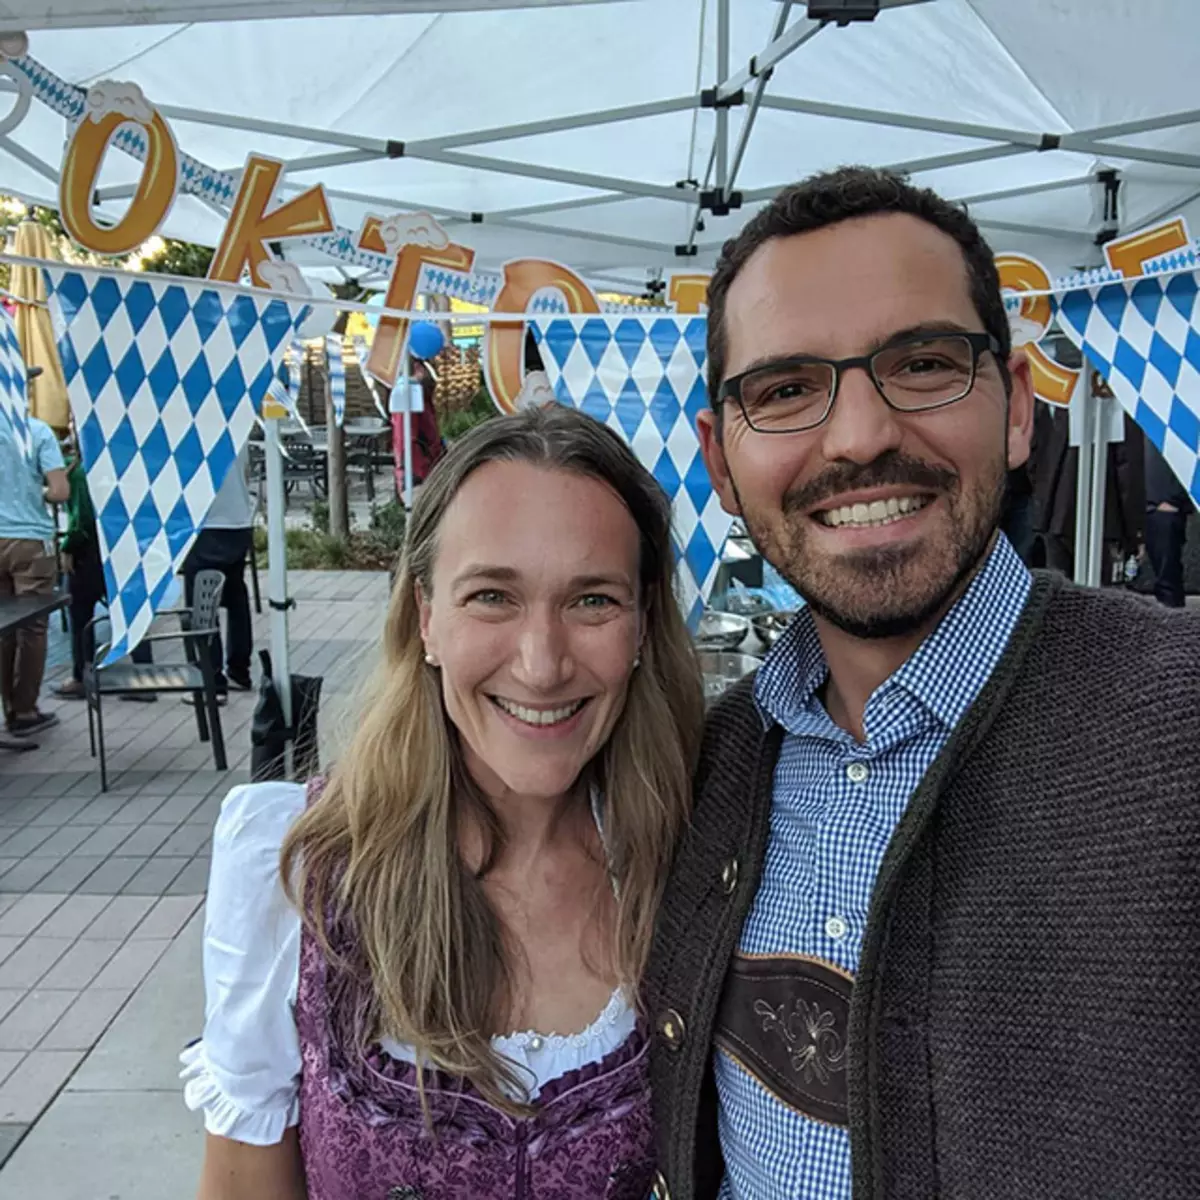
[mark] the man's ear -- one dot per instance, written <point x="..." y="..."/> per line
<point x="712" y="448"/>
<point x="1021" y="404"/>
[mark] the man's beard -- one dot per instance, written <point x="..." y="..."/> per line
<point x="891" y="591"/>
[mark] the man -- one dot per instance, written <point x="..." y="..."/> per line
<point x="27" y="565"/>
<point x="1167" y="509"/>
<point x="224" y="543"/>
<point x="933" y="930"/>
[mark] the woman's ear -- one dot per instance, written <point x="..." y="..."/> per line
<point x="424" y="612"/>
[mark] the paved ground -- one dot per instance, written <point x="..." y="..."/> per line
<point x="101" y="917"/>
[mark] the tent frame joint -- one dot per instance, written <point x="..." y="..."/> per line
<point x="394" y="149"/>
<point x="720" y="203"/>
<point x="686" y="250"/>
<point x="712" y="98"/>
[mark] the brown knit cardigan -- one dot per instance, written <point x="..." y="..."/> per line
<point x="1025" y="1020"/>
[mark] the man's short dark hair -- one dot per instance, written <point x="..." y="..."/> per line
<point x="841" y="195"/>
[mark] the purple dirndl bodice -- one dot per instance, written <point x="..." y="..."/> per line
<point x="363" y="1134"/>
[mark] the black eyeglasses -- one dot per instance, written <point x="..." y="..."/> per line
<point x="912" y="375"/>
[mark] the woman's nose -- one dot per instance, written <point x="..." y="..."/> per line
<point x="543" y="652"/>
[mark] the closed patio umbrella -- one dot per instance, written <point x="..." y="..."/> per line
<point x="48" y="393"/>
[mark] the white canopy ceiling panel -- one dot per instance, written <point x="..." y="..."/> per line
<point x="1101" y="61"/>
<point x="66" y="14"/>
<point x="538" y="115"/>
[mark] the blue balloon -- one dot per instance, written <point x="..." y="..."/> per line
<point x="425" y="340"/>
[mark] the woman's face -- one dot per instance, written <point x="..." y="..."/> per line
<point x="534" y="622"/>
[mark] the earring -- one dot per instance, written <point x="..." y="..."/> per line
<point x="429" y="660"/>
<point x="637" y="662"/>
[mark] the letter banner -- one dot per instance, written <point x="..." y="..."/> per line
<point x="165" y="382"/>
<point x="1143" y="336"/>
<point x="644" y="378"/>
<point x="14" y="400"/>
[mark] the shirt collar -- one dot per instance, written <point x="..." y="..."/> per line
<point x="946" y="672"/>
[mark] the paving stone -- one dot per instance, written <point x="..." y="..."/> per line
<point x="73" y="916"/>
<point x="28" y="874"/>
<point x="26" y="841"/>
<point x="31" y="960"/>
<point x="83" y="1024"/>
<point x="10" y="1138"/>
<point x="32" y="1019"/>
<point x="33" y="1084"/>
<point x="27" y="914"/>
<point x="119" y="918"/>
<point x="186" y="840"/>
<point x="8" y="945"/>
<point x="176" y="808"/>
<point x="146" y="839"/>
<point x="110" y="876"/>
<point x="167" y="917"/>
<point x="156" y="876"/>
<point x="138" y="810"/>
<point x="68" y="875"/>
<point x="79" y="965"/>
<point x="128" y="967"/>
<point x="64" y="840"/>
<point x="191" y="881"/>
<point x="103" y="840"/>
<point x="9" y="1061"/>
<point x="9" y="999"/>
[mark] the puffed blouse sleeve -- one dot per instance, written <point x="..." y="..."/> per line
<point x="244" y="1073"/>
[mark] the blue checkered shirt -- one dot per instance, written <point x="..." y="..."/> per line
<point x="835" y="806"/>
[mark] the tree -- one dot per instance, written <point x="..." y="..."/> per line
<point x="179" y="258"/>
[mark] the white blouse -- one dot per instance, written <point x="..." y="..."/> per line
<point x="245" y="1071"/>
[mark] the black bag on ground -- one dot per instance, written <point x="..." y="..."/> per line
<point x="269" y="732"/>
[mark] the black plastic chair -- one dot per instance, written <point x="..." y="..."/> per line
<point x="201" y="628"/>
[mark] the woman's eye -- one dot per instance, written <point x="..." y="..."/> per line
<point x="596" y="600"/>
<point x="488" y="596"/>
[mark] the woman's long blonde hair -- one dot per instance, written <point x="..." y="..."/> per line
<point x="380" y="847"/>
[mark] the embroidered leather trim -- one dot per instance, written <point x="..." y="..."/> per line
<point x="784" y="1020"/>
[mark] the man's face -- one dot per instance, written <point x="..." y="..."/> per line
<point x="807" y="498"/>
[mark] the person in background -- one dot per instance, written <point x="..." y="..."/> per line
<point x="27" y="565"/>
<point x="427" y="443"/>
<point x="224" y="543"/>
<point x="1167" y="509"/>
<point x="85" y="573"/>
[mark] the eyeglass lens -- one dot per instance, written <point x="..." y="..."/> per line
<point x="912" y="376"/>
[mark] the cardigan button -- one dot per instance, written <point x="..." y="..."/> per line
<point x="729" y="876"/>
<point x="671" y="1029"/>
<point x="660" y="1190"/>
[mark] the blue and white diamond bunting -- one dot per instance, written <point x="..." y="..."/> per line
<point x="335" y="373"/>
<point x="644" y="377"/>
<point x="165" y="381"/>
<point x="1143" y="336"/>
<point x="14" y="390"/>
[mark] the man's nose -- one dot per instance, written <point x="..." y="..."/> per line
<point x="862" y="425"/>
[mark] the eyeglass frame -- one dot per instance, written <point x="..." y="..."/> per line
<point x="979" y="341"/>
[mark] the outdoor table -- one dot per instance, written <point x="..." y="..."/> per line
<point x="16" y="611"/>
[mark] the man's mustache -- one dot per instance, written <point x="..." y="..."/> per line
<point x="889" y="470"/>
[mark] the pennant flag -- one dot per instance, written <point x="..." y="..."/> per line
<point x="1143" y="336"/>
<point x="165" y="380"/>
<point x="362" y="352"/>
<point x="644" y="377"/>
<point x="336" y="374"/>
<point x="14" y="398"/>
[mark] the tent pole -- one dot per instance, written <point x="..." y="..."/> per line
<point x="722" y="135"/>
<point x="277" y="569"/>
<point x="406" y="401"/>
<point x="781" y="45"/>
<point x="1083" y="476"/>
<point x="1032" y="189"/>
<point x="1099" y="449"/>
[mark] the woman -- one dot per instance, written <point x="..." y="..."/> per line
<point x="452" y="1018"/>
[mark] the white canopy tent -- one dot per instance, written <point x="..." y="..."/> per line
<point x="583" y="131"/>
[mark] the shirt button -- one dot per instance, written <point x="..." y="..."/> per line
<point x="858" y="772"/>
<point x="836" y="928"/>
<point x="536" y="1043"/>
